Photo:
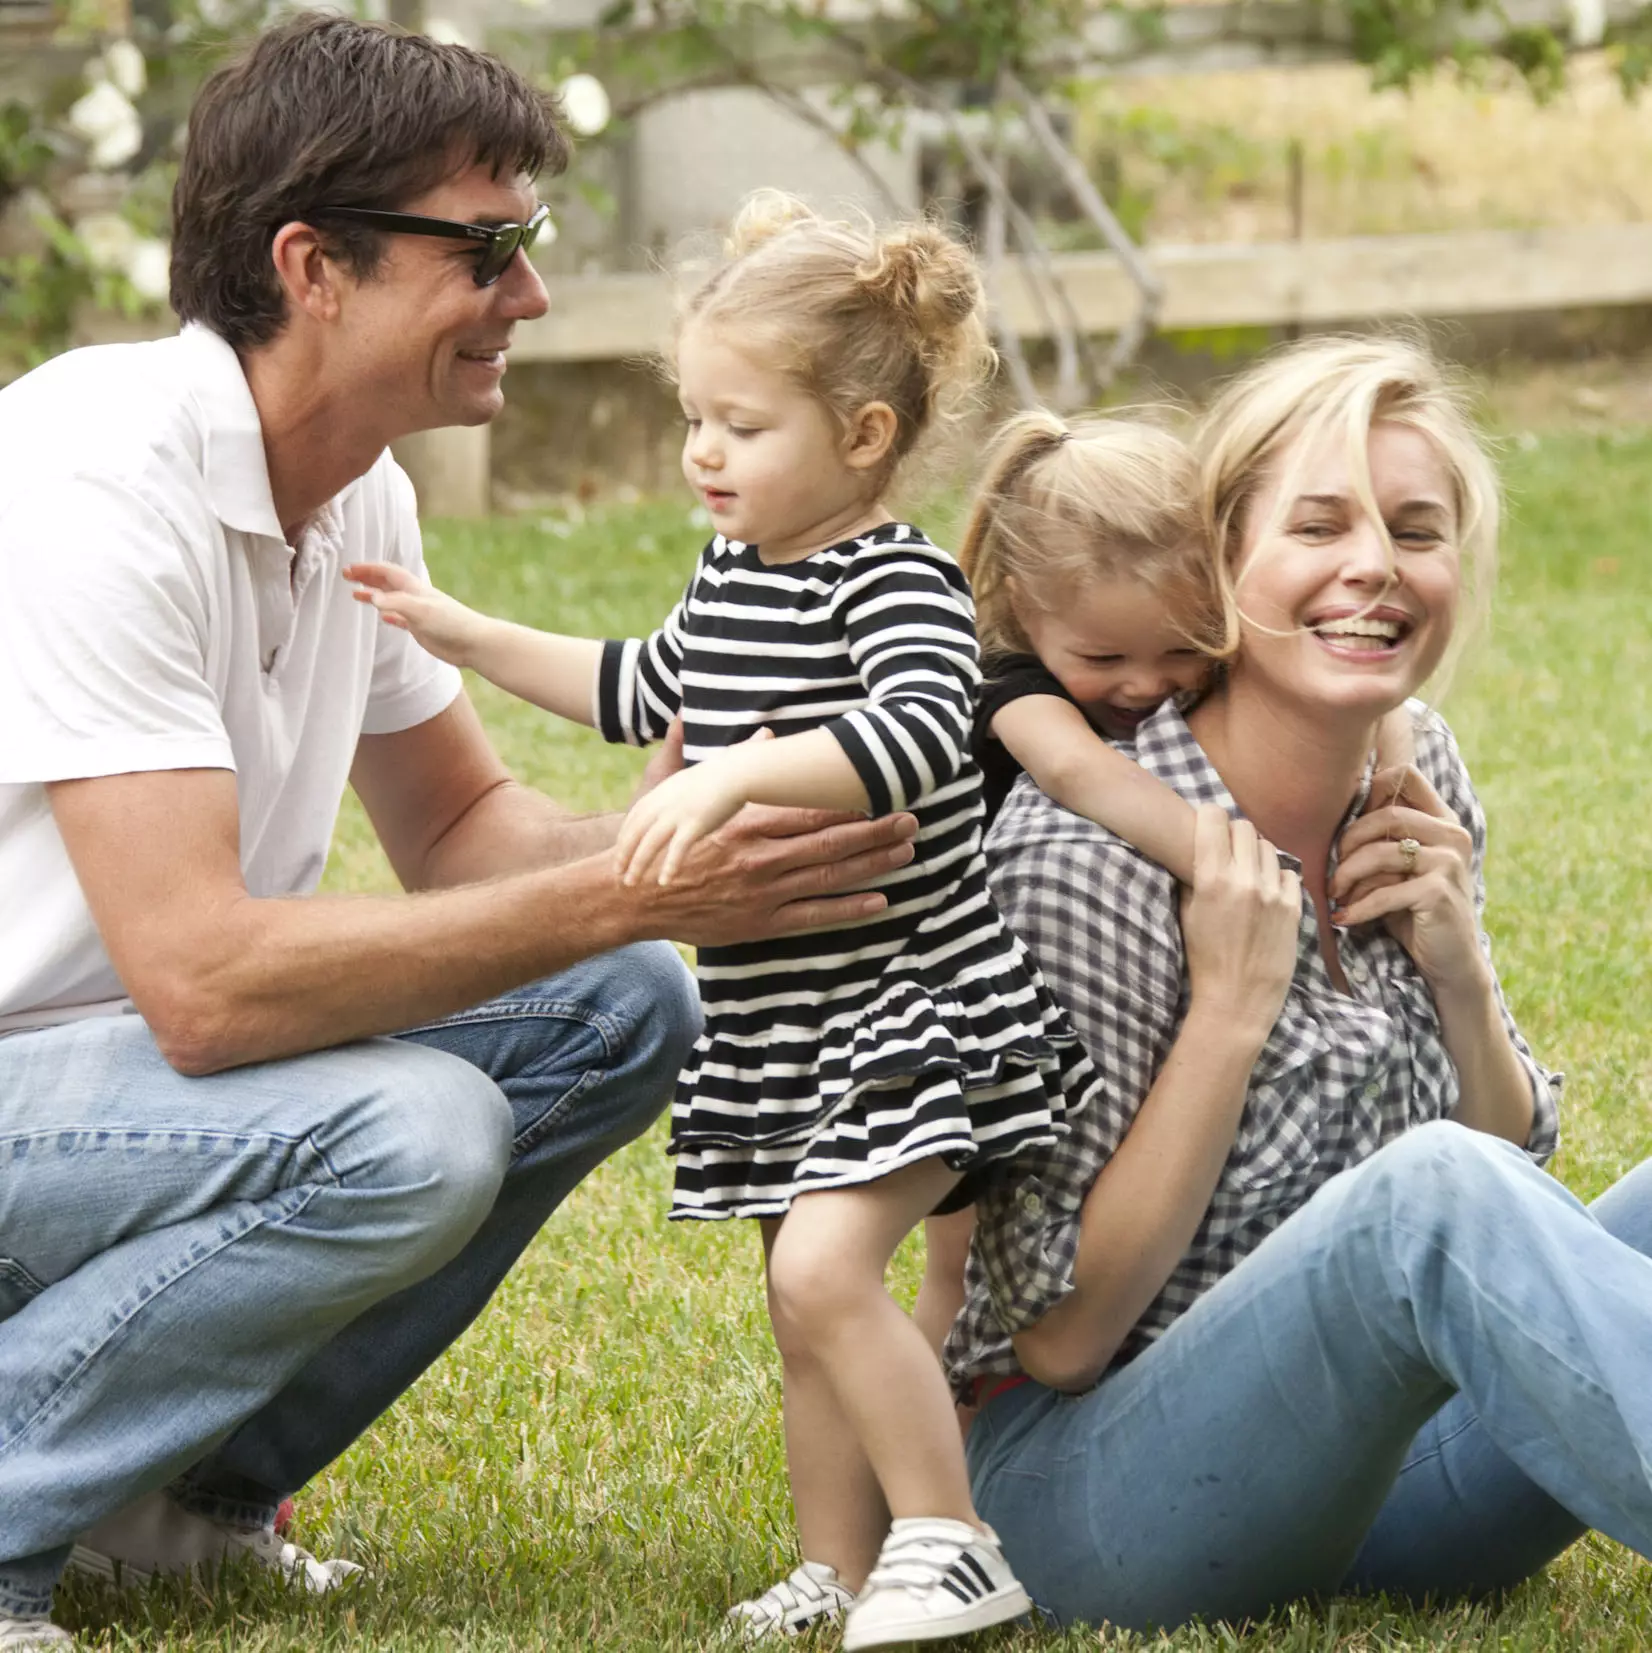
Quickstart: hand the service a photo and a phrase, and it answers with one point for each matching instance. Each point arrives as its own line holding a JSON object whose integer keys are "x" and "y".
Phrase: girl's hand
{"x": 440, "y": 625}
{"x": 1240, "y": 922}
{"x": 1409, "y": 861}
{"x": 668, "y": 820}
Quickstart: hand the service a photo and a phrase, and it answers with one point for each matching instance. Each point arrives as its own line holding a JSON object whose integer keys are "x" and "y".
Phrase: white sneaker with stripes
{"x": 39, "y": 1632}
{"x": 807, "y": 1596}
{"x": 157, "y": 1535}
{"x": 934, "y": 1578}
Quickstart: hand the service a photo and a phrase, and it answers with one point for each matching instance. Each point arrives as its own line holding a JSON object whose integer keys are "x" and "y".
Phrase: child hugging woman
{"x": 848, "y": 1082}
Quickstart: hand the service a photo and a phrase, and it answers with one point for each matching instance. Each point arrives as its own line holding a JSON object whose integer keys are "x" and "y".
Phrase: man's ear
{"x": 309, "y": 277}
{"x": 871, "y": 435}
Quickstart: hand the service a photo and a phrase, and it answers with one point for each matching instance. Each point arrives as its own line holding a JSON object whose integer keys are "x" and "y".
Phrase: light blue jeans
{"x": 1430, "y": 1380}
{"x": 204, "y": 1282}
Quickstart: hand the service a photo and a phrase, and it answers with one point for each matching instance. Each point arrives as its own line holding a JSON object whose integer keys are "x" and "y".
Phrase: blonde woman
{"x": 1292, "y": 1308}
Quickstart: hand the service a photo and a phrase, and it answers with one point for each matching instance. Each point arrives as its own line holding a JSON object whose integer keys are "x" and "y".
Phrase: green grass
{"x": 598, "y": 1464}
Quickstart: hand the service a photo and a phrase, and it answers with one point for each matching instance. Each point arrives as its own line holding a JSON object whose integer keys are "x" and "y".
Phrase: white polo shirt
{"x": 153, "y": 616}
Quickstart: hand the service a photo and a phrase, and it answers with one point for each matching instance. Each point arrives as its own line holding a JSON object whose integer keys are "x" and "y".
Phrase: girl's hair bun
{"x": 763, "y": 215}
{"x": 919, "y": 271}
{"x": 853, "y": 313}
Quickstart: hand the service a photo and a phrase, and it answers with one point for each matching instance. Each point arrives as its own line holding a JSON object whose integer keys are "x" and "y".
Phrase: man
{"x": 220, "y": 1173}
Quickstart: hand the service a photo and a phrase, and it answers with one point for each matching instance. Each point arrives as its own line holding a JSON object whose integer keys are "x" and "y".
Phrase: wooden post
{"x": 450, "y": 470}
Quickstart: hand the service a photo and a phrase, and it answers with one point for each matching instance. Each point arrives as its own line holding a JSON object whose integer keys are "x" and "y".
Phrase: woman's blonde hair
{"x": 1103, "y": 499}
{"x": 853, "y": 313}
{"x": 1336, "y": 388}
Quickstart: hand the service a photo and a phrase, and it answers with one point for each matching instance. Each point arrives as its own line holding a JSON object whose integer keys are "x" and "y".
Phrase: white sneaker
{"x": 158, "y": 1535}
{"x": 807, "y": 1596}
{"x": 33, "y": 1633}
{"x": 934, "y": 1578}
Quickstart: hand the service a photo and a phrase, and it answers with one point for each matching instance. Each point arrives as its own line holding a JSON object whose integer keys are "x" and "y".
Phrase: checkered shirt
{"x": 1338, "y": 1077}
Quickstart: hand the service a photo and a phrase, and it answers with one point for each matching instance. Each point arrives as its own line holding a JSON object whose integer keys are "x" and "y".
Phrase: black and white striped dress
{"x": 838, "y": 1056}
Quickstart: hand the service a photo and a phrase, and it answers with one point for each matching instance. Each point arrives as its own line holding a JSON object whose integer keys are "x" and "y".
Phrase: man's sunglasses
{"x": 499, "y": 243}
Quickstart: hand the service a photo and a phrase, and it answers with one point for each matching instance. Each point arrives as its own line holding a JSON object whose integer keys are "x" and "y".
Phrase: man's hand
{"x": 770, "y": 872}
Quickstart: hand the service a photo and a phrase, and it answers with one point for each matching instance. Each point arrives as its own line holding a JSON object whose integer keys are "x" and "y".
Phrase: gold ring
{"x": 1408, "y": 848}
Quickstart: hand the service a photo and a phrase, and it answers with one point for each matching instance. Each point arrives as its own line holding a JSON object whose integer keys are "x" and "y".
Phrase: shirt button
{"x": 1032, "y": 1204}
{"x": 1373, "y": 1091}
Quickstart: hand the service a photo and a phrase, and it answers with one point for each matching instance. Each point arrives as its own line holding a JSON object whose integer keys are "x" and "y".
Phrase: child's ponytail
{"x": 991, "y": 553}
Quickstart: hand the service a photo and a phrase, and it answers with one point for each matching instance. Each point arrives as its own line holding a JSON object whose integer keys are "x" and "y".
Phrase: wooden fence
{"x": 1308, "y": 283}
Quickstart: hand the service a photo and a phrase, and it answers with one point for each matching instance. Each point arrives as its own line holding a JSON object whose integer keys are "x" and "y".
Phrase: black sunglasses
{"x": 499, "y": 243}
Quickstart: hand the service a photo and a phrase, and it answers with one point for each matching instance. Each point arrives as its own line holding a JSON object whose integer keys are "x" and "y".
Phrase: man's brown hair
{"x": 324, "y": 111}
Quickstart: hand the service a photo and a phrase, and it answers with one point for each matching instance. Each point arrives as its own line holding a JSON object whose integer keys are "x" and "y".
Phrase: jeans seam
{"x": 534, "y": 1133}
{"x": 48, "y": 1404}
{"x": 526, "y": 1011}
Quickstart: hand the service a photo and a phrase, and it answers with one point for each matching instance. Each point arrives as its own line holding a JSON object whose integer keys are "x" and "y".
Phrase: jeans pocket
{"x": 17, "y": 1287}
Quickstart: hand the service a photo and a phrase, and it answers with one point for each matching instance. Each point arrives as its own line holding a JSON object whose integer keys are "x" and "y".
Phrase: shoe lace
{"x": 275, "y": 1551}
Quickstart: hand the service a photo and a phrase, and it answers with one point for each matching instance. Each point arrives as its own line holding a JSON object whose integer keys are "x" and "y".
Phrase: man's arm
{"x": 224, "y": 978}
{"x": 449, "y": 812}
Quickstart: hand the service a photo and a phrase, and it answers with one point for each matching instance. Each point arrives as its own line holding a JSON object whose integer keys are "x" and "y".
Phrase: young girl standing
{"x": 848, "y": 1080}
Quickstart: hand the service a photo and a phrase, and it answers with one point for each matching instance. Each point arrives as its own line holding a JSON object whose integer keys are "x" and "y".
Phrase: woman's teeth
{"x": 1379, "y": 632}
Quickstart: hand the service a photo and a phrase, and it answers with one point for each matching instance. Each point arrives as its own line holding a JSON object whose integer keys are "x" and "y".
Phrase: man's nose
{"x": 523, "y": 289}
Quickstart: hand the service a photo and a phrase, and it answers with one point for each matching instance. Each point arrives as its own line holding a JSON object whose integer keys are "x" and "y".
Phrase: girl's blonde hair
{"x": 1103, "y": 499}
{"x": 853, "y": 313}
{"x": 1335, "y": 389}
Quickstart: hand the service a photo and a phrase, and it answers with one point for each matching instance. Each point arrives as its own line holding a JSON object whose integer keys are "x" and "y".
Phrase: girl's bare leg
{"x": 826, "y": 1276}
{"x": 941, "y": 1296}
{"x": 841, "y": 1515}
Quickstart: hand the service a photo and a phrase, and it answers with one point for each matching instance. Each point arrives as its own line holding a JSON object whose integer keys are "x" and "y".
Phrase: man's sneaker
{"x": 808, "y": 1596}
{"x": 934, "y": 1578}
{"x": 158, "y": 1535}
{"x": 19, "y": 1633}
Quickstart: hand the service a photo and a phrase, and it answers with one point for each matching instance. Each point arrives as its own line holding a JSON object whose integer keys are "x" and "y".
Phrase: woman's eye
{"x": 1102, "y": 659}
{"x": 1419, "y": 539}
{"x": 1315, "y": 530}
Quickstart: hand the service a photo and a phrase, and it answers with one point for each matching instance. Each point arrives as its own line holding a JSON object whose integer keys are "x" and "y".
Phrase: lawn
{"x": 598, "y": 1464}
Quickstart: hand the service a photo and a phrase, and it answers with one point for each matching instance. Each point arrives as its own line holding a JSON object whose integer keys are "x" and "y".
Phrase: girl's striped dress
{"x": 837, "y": 1056}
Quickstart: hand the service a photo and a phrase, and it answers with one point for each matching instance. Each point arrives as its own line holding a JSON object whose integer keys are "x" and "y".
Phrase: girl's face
{"x": 767, "y": 459}
{"x": 1112, "y": 647}
{"x": 1332, "y": 618}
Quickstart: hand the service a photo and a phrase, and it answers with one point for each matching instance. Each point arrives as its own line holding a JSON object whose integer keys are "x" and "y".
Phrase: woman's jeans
{"x": 1430, "y": 1380}
{"x": 205, "y": 1282}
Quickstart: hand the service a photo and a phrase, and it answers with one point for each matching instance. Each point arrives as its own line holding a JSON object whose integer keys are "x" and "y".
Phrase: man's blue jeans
{"x": 203, "y": 1282}
{"x": 1429, "y": 1381}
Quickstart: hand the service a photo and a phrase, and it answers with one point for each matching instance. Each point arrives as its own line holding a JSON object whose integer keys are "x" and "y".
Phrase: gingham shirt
{"x": 1338, "y": 1077}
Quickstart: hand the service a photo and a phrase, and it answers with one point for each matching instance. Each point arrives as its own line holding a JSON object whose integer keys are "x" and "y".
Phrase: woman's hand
{"x": 440, "y": 625}
{"x": 1409, "y": 862}
{"x": 1240, "y": 922}
{"x": 667, "y": 821}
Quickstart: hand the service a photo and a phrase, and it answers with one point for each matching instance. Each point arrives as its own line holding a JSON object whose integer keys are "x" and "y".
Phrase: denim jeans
{"x": 205, "y": 1282}
{"x": 1429, "y": 1381}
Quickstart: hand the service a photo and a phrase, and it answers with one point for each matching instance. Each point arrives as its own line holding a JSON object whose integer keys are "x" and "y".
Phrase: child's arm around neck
{"x": 1053, "y": 741}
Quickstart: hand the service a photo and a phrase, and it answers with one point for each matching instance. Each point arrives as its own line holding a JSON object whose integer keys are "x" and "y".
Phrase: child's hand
{"x": 440, "y": 625}
{"x": 668, "y": 821}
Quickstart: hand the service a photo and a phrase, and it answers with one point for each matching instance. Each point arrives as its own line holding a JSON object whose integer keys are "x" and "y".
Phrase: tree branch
{"x": 1129, "y": 338}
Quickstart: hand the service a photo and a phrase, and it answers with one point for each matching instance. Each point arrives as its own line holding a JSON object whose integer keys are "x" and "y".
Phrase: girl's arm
{"x": 1053, "y": 741}
{"x": 555, "y": 672}
{"x": 908, "y": 626}
{"x": 810, "y": 771}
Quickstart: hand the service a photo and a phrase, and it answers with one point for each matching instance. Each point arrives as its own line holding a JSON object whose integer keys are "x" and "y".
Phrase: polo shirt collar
{"x": 237, "y": 473}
